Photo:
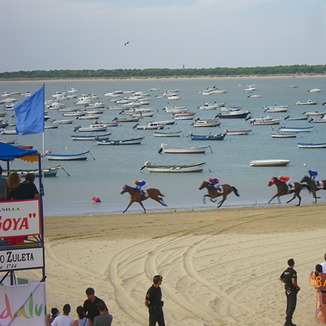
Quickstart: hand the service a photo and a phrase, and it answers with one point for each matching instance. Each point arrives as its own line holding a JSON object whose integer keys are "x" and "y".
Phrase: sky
{"x": 91, "y": 34}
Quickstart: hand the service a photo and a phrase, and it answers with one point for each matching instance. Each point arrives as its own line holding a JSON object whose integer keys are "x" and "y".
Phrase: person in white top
{"x": 64, "y": 320}
{"x": 324, "y": 265}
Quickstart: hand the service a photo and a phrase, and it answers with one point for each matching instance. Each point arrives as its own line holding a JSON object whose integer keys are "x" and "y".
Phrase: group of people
{"x": 13, "y": 189}
{"x": 94, "y": 312}
{"x": 289, "y": 279}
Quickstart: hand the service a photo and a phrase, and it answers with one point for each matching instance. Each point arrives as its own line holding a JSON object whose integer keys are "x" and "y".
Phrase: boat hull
{"x": 176, "y": 168}
{"x": 269, "y": 163}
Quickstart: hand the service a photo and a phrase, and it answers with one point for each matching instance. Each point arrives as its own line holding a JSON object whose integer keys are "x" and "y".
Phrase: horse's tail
{"x": 306, "y": 186}
{"x": 235, "y": 190}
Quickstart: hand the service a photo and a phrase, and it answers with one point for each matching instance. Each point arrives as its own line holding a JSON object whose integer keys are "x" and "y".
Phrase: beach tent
{"x": 9, "y": 152}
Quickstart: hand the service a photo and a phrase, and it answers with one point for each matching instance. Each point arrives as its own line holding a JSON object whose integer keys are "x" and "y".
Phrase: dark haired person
{"x": 289, "y": 278}
{"x": 64, "y": 320}
{"x": 27, "y": 189}
{"x": 154, "y": 303}
{"x": 104, "y": 318}
{"x": 3, "y": 185}
{"x": 91, "y": 304}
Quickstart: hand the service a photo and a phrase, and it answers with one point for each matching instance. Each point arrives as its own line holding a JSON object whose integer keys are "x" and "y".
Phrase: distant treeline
{"x": 159, "y": 73}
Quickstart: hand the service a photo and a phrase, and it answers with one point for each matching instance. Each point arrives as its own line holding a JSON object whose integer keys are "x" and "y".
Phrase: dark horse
{"x": 213, "y": 193}
{"x": 313, "y": 186}
{"x": 137, "y": 196}
{"x": 283, "y": 189}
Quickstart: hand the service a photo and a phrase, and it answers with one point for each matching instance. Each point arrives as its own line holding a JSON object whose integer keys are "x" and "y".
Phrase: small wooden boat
{"x": 131, "y": 141}
{"x": 47, "y": 172}
{"x": 267, "y": 122}
{"x": 318, "y": 120}
{"x": 296, "y": 118}
{"x": 237, "y": 114}
{"x": 292, "y": 129}
{"x": 276, "y": 108}
{"x": 186, "y": 168}
{"x": 311, "y": 145}
{"x": 238, "y": 132}
{"x": 89, "y": 117}
{"x": 91, "y": 137}
{"x": 9, "y": 132}
{"x": 131, "y": 119}
{"x": 207, "y": 123}
{"x": 166, "y": 133}
{"x": 267, "y": 163}
{"x": 184, "y": 150}
{"x": 284, "y": 135}
{"x": 208, "y": 137}
{"x": 316, "y": 113}
{"x": 67, "y": 157}
{"x": 63, "y": 122}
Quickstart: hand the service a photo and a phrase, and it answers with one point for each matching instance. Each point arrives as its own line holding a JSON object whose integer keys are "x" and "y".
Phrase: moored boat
{"x": 237, "y": 114}
{"x": 175, "y": 168}
{"x": 47, "y": 172}
{"x": 131, "y": 141}
{"x": 91, "y": 137}
{"x": 311, "y": 145}
{"x": 292, "y": 129}
{"x": 309, "y": 102}
{"x": 238, "y": 132}
{"x": 284, "y": 135}
{"x": 67, "y": 157}
{"x": 208, "y": 137}
{"x": 207, "y": 123}
{"x": 167, "y": 133}
{"x": 184, "y": 150}
{"x": 268, "y": 163}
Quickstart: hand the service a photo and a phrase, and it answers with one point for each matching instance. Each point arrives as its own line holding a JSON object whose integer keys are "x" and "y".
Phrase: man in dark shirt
{"x": 153, "y": 301}
{"x": 91, "y": 304}
{"x": 289, "y": 278}
{"x": 27, "y": 189}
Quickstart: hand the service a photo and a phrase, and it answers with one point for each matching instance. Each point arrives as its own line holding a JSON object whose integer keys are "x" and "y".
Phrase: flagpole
{"x": 43, "y": 145}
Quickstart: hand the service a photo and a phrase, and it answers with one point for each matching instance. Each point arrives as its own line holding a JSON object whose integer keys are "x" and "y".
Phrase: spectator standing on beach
{"x": 289, "y": 278}
{"x": 91, "y": 304}
{"x": 12, "y": 185}
{"x": 63, "y": 320}
{"x": 27, "y": 189}
{"x": 3, "y": 185}
{"x": 323, "y": 264}
{"x": 154, "y": 303}
{"x": 82, "y": 319}
{"x": 104, "y": 318}
{"x": 320, "y": 279}
{"x": 51, "y": 317}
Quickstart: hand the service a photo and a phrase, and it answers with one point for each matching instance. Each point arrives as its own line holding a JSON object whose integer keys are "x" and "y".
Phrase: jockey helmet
{"x": 217, "y": 180}
{"x": 210, "y": 180}
{"x": 309, "y": 171}
{"x": 136, "y": 181}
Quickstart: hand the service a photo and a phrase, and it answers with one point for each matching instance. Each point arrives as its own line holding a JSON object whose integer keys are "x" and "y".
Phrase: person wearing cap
{"x": 289, "y": 278}
{"x": 63, "y": 320}
{"x": 91, "y": 304}
{"x": 27, "y": 189}
{"x": 215, "y": 183}
{"x": 154, "y": 303}
{"x": 50, "y": 317}
{"x": 313, "y": 175}
{"x": 140, "y": 185}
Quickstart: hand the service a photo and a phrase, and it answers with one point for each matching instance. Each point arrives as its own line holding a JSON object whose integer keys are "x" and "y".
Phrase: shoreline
{"x": 214, "y": 263}
{"x": 58, "y": 80}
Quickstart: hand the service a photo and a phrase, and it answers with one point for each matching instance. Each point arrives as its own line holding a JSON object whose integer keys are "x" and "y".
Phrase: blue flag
{"x": 30, "y": 114}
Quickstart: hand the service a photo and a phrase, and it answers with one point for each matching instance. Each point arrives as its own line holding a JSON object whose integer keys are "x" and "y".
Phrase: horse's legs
{"x": 141, "y": 204}
{"x": 220, "y": 203}
{"x": 131, "y": 201}
{"x": 295, "y": 195}
{"x": 273, "y": 198}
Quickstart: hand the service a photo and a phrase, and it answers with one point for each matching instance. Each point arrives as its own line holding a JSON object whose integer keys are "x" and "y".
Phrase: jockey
{"x": 140, "y": 185}
{"x": 215, "y": 183}
{"x": 313, "y": 175}
{"x": 286, "y": 180}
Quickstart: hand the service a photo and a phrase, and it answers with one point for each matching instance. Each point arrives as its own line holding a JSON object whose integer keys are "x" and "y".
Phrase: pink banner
{"x": 23, "y": 305}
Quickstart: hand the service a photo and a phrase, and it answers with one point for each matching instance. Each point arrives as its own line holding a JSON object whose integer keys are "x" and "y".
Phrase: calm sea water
{"x": 115, "y": 166}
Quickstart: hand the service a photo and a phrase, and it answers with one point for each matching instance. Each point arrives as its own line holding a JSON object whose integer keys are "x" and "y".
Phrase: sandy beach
{"x": 220, "y": 267}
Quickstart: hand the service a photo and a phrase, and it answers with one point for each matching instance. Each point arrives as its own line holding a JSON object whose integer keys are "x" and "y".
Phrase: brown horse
{"x": 283, "y": 189}
{"x": 213, "y": 193}
{"x": 313, "y": 186}
{"x": 138, "y": 196}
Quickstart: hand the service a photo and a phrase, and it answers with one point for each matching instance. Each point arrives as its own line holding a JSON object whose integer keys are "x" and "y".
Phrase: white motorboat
{"x": 91, "y": 128}
{"x": 184, "y": 150}
{"x": 175, "y": 168}
{"x": 207, "y": 123}
{"x": 309, "y": 102}
{"x": 268, "y": 163}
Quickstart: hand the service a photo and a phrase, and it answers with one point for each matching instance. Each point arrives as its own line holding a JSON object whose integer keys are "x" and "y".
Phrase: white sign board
{"x": 16, "y": 259}
{"x": 19, "y": 218}
{"x": 23, "y": 305}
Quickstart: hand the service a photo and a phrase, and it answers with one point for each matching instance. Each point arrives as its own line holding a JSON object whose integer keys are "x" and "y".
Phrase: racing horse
{"x": 284, "y": 189}
{"x": 313, "y": 186}
{"x": 137, "y": 196}
{"x": 214, "y": 193}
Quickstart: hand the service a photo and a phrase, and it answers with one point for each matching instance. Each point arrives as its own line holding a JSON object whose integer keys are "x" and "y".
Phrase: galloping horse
{"x": 137, "y": 196}
{"x": 313, "y": 186}
{"x": 213, "y": 193}
{"x": 283, "y": 189}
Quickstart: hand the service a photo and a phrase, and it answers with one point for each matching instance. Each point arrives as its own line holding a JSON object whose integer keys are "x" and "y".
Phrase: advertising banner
{"x": 17, "y": 259}
{"x": 23, "y": 305}
{"x": 19, "y": 218}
